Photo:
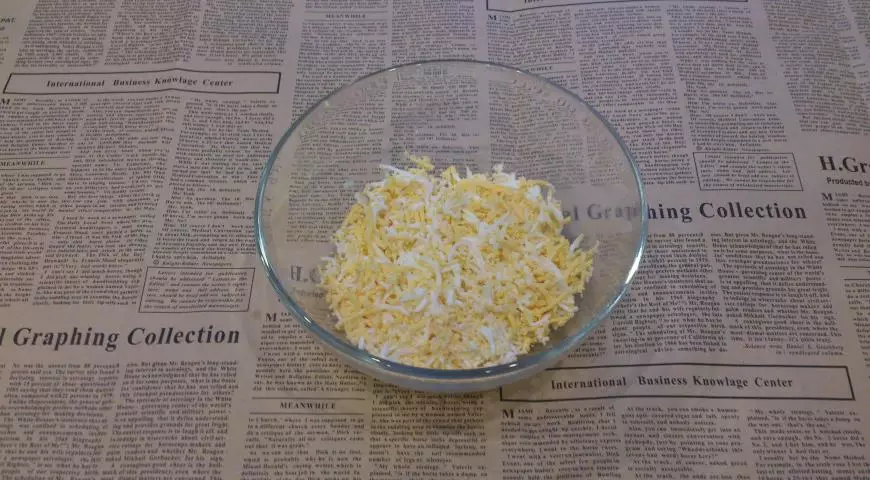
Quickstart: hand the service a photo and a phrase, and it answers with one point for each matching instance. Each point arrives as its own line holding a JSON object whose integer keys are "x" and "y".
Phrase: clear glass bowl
{"x": 462, "y": 113}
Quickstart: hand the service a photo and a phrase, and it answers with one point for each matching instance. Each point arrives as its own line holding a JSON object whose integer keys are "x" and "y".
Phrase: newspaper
{"x": 140, "y": 339}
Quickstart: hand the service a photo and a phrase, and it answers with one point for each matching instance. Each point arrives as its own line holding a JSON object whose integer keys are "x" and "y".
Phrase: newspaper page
{"x": 140, "y": 339}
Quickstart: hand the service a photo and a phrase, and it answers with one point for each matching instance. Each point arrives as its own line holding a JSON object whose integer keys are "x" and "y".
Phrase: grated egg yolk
{"x": 453, "y": 272}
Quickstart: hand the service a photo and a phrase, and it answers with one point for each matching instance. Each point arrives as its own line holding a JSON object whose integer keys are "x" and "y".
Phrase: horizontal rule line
{"x": 304, "y": 413}
{"x": 307, "y": 398}
{"x": 708, "y": 397}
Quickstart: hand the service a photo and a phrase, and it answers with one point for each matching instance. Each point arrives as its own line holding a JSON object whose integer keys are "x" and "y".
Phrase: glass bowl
{"x": 463, "y": 113}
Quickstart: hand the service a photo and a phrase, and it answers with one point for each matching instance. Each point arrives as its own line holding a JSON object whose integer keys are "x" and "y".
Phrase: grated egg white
{"x": 450, "y": 272}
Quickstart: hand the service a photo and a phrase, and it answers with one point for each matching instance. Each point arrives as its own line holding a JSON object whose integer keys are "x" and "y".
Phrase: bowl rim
{"x": 522, "y": 362}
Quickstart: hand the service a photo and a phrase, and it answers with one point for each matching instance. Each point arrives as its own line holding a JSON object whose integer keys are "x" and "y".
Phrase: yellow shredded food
{"x": 453, "y": 272}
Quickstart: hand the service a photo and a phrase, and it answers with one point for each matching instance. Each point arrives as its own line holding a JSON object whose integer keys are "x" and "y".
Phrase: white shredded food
{"x": 453, "y": 273}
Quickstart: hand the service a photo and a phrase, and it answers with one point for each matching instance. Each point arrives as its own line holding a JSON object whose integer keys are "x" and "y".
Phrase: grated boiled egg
{"x": 453, "y": 273}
